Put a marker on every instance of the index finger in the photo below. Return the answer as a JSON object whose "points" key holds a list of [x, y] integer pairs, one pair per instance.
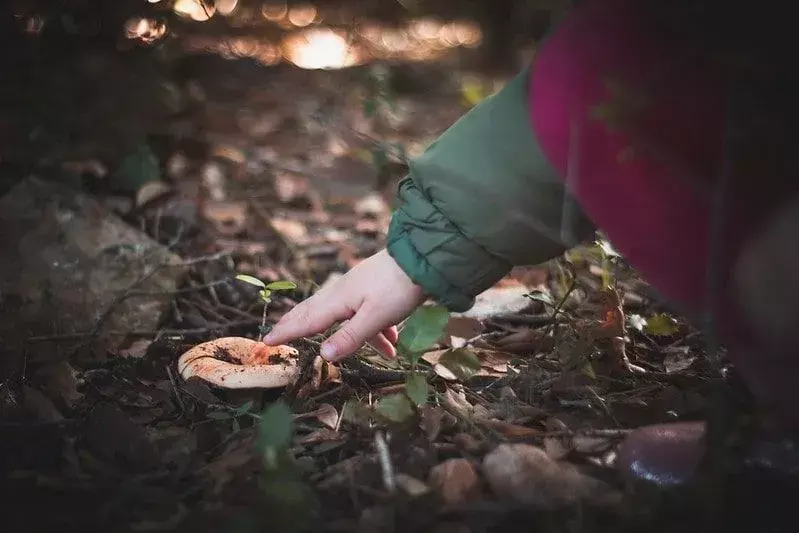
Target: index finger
{"points": [[312, 316]]}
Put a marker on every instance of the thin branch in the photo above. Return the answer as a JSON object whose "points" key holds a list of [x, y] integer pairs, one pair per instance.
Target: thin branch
{"points": [[147, 333], [386, 467]]}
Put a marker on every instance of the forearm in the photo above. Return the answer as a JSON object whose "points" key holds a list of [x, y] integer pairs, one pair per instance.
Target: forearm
{"points": [[480, 200]]}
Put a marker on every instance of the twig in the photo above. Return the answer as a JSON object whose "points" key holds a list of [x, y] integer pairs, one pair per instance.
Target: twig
{"points": [[188, 290], [146, 333], [176, 388], [386, 468]]}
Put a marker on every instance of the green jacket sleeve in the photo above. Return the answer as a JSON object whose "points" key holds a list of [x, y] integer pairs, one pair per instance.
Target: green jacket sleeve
{"points": [[480, 200]]}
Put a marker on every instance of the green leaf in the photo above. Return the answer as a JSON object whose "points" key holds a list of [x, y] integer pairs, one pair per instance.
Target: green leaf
{"points": [[661, 325], [251, 280], [588, 369], [275, 429], [282, 286], [462, 363], [243, 408], [416, 388], [541, 296], [137, 168], [265, 294], [424, 327], [395, 407], [219, 415], [369, 107]]}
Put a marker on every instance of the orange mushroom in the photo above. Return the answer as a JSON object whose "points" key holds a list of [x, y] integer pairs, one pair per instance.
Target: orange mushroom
{"points": [[241, 363]]}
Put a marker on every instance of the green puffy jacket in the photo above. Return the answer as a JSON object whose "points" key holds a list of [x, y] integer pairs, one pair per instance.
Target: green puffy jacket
{"points": [[481, 200]]}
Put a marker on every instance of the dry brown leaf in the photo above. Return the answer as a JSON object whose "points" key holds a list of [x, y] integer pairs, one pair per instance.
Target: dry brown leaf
{"points": [[150, 191], [324, 372], [411, 486], [457, 403], [431, 421], [136, 349], [507, 429], [292, 231], [523, 342], [321, 435], [526, 474], [290, 186], [461, 329], [590, 445], [229, 218], [499, 301], [493, 364], [455, 480]]}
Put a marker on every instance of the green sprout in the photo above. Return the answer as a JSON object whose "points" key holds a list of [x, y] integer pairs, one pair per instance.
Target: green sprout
{"points": [[265, 293]]}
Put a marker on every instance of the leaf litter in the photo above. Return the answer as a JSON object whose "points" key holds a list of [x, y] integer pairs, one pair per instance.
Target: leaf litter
{"points": [[513, 407]]}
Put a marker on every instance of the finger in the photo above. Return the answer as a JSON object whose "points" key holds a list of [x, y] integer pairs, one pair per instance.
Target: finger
{"points": [[380, 343], [312, 316], [391, 334], [352, 335]]}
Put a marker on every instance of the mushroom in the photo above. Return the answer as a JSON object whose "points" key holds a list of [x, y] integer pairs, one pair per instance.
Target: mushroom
{"points": [[241, 363]]}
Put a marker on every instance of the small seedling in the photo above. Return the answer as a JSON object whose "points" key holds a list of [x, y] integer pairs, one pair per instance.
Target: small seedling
{"points": [[233, 415], [265, 293]]}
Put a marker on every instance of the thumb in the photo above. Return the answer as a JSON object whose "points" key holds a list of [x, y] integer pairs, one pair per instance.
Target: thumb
{"points": [[353, 334]]}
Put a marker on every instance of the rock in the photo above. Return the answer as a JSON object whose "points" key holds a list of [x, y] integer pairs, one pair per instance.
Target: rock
{"points": [[455, 480], [527, 475], [66, 258]]}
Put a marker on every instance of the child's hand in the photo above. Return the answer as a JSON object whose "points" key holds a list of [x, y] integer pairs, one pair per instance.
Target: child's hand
{"points": [[373, 297]]}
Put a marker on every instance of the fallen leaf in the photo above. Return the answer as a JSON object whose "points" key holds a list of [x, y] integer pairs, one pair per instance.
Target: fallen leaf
{"points": [[499, 301], [151, 191], [293, 231], [59, 381], [678, 359], [433, 420], [411, 486], [229, 153], [460, 330], [39, 406], [457, 403], [214, 181], [507, 429], [372, 205], [324, 372], [527, 475], [455, 480], [321, 435], [327, 415], [491, 363], [524, 341], [290, 186], [136, 349], [229, 218], [461, 362], [590, 445]]}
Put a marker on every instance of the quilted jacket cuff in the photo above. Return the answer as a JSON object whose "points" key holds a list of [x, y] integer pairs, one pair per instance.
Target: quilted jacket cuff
{"points": [[449, 267]]}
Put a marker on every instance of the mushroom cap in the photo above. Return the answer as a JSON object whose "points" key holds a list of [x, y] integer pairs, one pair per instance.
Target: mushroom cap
{"points": [[257, 365]]}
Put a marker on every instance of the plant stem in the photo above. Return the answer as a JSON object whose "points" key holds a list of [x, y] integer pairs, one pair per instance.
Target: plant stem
{"points": [[263, 321]]}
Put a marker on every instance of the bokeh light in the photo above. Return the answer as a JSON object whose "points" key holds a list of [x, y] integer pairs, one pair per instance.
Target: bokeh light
{"points": [[197, 10]]}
